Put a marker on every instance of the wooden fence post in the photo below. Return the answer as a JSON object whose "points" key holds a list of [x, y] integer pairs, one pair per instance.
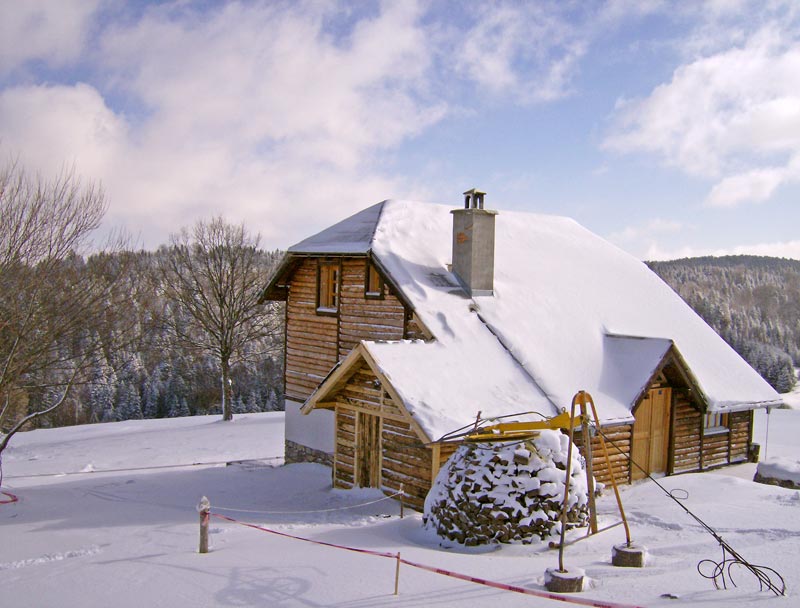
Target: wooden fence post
{"points": [[397, 576], [204, 508]]}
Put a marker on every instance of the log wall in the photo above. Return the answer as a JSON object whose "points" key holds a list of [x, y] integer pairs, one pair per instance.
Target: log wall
{"points": [[405, 460], [366, 319], [314, 342], [687, 428], [694, 450], [618, 443], [311, 339], [741, 427]]}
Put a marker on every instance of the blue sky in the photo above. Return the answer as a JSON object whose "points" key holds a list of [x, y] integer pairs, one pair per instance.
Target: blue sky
{"points": [[670, 128]]}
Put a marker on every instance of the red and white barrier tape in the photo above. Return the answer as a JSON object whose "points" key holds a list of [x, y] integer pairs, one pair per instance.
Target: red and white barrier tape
{"points": [[442, 571], [308, 540], [11, 498]]}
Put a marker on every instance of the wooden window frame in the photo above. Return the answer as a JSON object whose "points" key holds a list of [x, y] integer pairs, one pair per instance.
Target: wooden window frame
{"points": [[329, 289], [370, 294], [716, 423]]}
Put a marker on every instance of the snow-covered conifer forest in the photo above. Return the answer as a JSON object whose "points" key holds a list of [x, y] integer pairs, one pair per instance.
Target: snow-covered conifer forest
{"points": [[752, 302], [148, 374]]}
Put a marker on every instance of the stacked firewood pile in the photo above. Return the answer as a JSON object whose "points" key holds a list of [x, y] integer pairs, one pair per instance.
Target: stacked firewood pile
{"points": [[507, 492]]}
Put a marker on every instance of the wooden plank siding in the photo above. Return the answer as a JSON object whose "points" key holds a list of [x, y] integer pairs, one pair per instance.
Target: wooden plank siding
{"points": [[687, 429], [694, 450], [405, 460], [311, 339], [366, 319], [690, 448], [315, 342], [618, 443]]}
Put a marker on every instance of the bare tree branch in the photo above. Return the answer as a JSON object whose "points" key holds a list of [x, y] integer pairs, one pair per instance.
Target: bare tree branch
{"points": [[50, 298], [212, 274]]}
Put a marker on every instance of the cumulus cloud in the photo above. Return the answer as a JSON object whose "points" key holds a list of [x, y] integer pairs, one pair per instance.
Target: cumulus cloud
{"points": [[505, 36], [277, 113], [257, 111], [53, 32], [51, 127], [732, 116]]}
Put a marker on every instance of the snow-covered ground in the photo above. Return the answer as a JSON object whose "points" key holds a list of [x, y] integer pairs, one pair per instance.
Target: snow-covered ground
{"points": [[129, 537]]}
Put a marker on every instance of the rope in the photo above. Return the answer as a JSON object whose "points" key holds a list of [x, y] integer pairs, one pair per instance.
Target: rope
{"points": [[11, 498], [720, 572], [150, 468], [435, 570], [363, 504]]}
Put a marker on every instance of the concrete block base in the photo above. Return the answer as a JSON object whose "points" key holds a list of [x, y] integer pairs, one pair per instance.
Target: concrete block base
{"points": [[628, 556], [569, 581]]}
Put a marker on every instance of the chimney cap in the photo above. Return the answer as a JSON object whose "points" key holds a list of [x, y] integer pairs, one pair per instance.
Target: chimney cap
{"points": [[473, 199]]}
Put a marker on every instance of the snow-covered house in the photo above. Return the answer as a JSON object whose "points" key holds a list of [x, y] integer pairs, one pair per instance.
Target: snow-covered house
{"points": [[407, 320]]}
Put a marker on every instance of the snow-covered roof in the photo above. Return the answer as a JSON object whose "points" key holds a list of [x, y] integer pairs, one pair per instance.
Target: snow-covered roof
{"points": [[351, 235], [569, 312]]}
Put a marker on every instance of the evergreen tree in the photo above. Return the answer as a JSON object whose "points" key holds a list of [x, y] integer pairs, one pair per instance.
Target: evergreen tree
{"points": [[129, 402], [102, 392]]}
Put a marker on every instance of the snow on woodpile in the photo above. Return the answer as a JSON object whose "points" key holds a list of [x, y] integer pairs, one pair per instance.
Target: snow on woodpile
{"points": [[507, 492], [784, 472]]}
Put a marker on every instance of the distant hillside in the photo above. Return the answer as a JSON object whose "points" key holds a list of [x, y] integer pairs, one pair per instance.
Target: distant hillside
{"points": [[752, 302]]}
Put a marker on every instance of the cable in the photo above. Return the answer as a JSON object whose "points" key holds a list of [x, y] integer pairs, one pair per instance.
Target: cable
{"points": [[363, 504], [720, 573]]}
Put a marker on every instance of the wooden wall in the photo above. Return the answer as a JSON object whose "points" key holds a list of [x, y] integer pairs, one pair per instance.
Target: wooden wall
{"points": [[690, 448], [618, 442], [694, 450], [741, 424], [687, 427], [366, 319], [314, 343], [403, 458], [311, 339]]}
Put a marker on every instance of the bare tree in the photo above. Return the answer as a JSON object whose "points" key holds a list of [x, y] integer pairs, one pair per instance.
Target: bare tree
{"points": [[214, 274], [49, 302]]}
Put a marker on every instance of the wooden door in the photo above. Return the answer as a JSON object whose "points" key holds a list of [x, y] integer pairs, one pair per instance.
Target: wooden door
{"points": [[650, 448], [368, 451]]}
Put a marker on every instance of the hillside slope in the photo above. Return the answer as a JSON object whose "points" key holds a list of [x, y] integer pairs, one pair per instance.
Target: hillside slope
{"points": [[752, 302]]}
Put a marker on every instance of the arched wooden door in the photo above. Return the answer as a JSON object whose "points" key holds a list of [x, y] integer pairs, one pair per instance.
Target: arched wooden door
{"points": [[650, 446]]}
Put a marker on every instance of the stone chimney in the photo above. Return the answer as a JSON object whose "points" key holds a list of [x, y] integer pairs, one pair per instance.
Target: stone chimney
{"points": [[473, 245]]}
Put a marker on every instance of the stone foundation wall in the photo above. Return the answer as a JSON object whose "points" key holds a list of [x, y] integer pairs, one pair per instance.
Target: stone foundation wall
{"points": [[301, 453]]}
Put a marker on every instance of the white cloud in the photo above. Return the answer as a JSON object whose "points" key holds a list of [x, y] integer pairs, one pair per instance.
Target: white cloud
{"points": [[51, 127], [279, 113], [754, 186], [646, 230], [527, 50], [732, 116], [54, 32], [249, 110]]}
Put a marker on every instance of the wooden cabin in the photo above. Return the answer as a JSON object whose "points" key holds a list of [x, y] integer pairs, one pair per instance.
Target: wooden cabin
{"points": [[407, 320]]}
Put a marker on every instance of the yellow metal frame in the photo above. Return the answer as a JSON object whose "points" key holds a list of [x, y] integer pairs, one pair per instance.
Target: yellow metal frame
{"points": [[568, 421], [510, 431]]}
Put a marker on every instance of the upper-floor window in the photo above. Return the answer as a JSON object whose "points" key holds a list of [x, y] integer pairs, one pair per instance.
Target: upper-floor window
{"points": [[328, 288], [715, 422], [373, 286]]}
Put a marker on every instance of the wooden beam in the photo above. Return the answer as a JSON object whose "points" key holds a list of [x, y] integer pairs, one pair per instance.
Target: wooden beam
{"points": [[435, 458]]}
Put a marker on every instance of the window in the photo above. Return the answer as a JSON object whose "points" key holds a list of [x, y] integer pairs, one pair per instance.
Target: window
{"points": [[715, 422], [328, 288], [373, 286]]}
